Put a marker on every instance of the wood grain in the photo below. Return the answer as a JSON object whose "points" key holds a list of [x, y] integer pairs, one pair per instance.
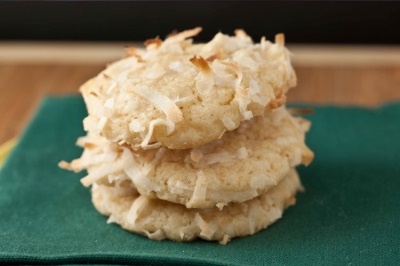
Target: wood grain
{"points": [[22, 86]]}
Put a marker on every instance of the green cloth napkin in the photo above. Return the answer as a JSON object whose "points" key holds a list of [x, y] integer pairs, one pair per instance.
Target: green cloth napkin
{"points": [[349, 214]]}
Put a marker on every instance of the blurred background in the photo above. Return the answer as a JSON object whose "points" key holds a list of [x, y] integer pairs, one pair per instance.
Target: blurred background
{"points": [[345, 53]]}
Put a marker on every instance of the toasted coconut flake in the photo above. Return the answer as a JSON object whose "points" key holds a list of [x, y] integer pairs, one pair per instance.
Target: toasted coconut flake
{"points": [[184, 35], [89, 146], [65, 165], [240, 33], [157, 41], [106, 76], [225, 239], [94, 94], [280, 39], [301, 111], [162, 102], [200, 64], [130, 51], [291, 200], [217, 55], [172, 33], [279, 101]]}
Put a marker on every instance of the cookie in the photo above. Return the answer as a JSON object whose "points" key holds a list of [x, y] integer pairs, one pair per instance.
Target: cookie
{"points": [[158, 219], [181, 95], [242, 165]]}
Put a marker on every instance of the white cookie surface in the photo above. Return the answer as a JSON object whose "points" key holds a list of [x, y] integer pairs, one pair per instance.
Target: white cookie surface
{"points": [[159, 219], [242, 165], [181, 95]]}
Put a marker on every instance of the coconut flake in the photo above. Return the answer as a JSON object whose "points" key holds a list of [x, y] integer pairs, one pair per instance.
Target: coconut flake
{"points": [[200, 189], [200, 64], [242, 153], [136, 126], [203, 226], [177, 66], [243, 59], [196, 155], [159, 154], [159, 121], [128, 64], [280, 39], [136, 207], [183, 35], [162, 102], [109, 103], [226, 74], [225, 157], [221, 205], [112, 86], [225, 239], [102, 122], [111, 219], [89, 124], [100, 172], [155, 41], [228, 123], [157, 71], [254, 90], [157, 235]]}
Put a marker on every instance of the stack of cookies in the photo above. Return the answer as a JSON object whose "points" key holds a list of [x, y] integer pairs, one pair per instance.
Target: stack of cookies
{"points": [[189, 141]]}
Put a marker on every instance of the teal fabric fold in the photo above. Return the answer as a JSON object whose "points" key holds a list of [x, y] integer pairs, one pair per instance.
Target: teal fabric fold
{"points": [[349, 213]]}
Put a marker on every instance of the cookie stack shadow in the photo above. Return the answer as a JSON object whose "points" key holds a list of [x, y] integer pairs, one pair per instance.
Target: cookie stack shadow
{"points": [[191, 141]]}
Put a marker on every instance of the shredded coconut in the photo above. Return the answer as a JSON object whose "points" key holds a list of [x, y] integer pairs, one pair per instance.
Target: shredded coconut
{"points": [[177, 66], [100, 172], [157, 235], [228, 123], [196, 155], [170, 128], [109, 103], [162, 102], [156, 72], [135, 126], [225, 240], [200, 189], [183, 35]]}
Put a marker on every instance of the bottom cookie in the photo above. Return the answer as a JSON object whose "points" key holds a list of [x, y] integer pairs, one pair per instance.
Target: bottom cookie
{"points": [[158, 219]]}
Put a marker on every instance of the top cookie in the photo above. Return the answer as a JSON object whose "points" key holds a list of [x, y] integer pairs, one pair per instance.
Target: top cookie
{"points": [[181, 95]]}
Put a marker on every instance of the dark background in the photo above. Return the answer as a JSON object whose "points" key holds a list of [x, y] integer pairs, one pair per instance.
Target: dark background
{"points": [[302, 22]]}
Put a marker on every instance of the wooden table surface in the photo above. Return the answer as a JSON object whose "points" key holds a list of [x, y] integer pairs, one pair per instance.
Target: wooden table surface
{"points": [[335, 75]]}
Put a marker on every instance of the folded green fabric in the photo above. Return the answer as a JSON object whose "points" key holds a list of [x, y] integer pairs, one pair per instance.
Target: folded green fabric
{"points": [[349, 214]]}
